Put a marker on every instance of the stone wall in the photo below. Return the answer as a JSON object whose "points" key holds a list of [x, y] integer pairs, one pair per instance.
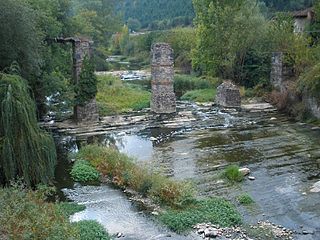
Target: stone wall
{"points": [[162, 71], [228, 95]]}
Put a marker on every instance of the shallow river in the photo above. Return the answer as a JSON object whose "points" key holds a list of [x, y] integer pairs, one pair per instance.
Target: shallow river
{"points": [[283, 156]]}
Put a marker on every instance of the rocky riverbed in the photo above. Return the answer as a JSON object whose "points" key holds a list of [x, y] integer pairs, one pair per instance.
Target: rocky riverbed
{"points": [[201, 140]]}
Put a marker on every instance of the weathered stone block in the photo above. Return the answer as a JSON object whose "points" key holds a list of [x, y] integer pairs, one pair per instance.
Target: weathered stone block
{"points": [[162, 71], [87, 112], [228, 95]]}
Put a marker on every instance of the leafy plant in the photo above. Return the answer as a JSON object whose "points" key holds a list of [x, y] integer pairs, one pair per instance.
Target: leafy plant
{"points": [[91, 230], [214, 210], [125, 173], [245, 199], [25, 215], [233, 174], [70, 208], [83, 171]]}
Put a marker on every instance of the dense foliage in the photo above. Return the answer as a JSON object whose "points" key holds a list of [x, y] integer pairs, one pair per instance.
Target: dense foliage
{"points": [[25, 150], [154, 14], [214, 210], [83, 171], [86, 89]]}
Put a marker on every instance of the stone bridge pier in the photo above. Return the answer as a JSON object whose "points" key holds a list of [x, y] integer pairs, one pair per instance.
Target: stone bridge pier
{"points": [[162, 71], [81, 48]]}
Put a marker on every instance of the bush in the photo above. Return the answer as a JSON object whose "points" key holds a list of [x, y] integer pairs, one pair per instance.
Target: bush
{"points": [[245, 199], [70, 208], [214, 210], [233, 174], [203, 95], [25, 215], [125, 173], [83, 171], [91, 230], [184, 83]]}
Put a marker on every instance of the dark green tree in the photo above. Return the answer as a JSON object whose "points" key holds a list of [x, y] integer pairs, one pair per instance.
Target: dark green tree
{"points": [[86, 89], [26, 151]]}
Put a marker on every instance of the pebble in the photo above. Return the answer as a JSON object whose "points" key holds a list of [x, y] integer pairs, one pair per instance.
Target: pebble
{"points": [[251, 178], [119, 235]]}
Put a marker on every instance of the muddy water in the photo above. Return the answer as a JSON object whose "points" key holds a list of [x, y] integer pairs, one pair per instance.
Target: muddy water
{"points": [[283, 156]]}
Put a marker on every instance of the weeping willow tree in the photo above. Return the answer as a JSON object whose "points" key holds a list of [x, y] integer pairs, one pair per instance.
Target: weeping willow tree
{"points": [[26, 151]]}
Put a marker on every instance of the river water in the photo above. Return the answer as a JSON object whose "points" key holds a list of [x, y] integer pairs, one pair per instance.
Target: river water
{"points": [[284, 157]]}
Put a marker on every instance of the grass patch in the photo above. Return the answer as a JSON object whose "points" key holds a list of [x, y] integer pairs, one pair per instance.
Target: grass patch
{"points": [[233, 174], [184, 83], [91, 230], [202, 95], [214, 210], [125, 173], [70, 208], [83, 171], [245, 199], [114, 97]]}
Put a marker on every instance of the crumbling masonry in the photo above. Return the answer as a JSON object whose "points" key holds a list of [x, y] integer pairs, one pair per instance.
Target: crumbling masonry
{"points": [[162, 71]]}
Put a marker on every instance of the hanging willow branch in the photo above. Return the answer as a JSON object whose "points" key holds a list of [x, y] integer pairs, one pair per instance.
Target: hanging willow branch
{"points": [[25, 150]]}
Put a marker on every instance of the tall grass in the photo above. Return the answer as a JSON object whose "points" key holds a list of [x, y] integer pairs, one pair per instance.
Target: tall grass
{"points": [[114, 97], [124, 172]]}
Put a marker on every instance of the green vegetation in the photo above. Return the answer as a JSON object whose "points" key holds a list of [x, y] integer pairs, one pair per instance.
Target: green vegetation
{"points": [[155, 15], [233, 174], [203, 95], [91, 230], [214, 210], [245, 199], [86, 89], [125, 173], [115, 97], [70, 208], [25, 150], [83, 171], [26, 215]]}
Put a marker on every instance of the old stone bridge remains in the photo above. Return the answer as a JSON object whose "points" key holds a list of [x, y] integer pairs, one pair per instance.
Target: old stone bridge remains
{"points": [[81, 47]]}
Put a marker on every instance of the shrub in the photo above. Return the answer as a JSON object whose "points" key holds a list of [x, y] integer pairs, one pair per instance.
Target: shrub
{"points": [[214, 210], [25, 215], [245, 199], [184, 83], [83, 171], [125, 173], [70, 208], [233, 174], [203, 95], [91, 230]]}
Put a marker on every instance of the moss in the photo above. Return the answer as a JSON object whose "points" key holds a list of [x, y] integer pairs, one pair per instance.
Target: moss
{"points": [[245, 199]]}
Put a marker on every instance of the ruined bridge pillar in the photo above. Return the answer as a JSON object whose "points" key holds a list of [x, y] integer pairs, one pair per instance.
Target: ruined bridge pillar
{"points": [[89, 111], [162, 71]]}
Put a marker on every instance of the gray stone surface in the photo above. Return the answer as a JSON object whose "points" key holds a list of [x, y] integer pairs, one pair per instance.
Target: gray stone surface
{"points": [[162, 71], [228, 95]]}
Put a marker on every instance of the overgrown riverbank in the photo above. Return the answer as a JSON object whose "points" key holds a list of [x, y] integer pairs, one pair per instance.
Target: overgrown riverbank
{"points": [[179, 208], [26, 214]]}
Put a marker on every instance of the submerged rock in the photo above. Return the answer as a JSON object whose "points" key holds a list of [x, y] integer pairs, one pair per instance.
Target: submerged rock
{"points": [[244, 171], [315, 188]]}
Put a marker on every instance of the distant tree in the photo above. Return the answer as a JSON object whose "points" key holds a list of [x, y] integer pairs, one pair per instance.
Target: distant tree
{"points": [[226, 30], [134, 24]]}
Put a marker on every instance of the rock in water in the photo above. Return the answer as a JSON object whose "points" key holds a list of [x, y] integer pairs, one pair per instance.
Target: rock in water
{"points": [[244, 171], [315, 188]]}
